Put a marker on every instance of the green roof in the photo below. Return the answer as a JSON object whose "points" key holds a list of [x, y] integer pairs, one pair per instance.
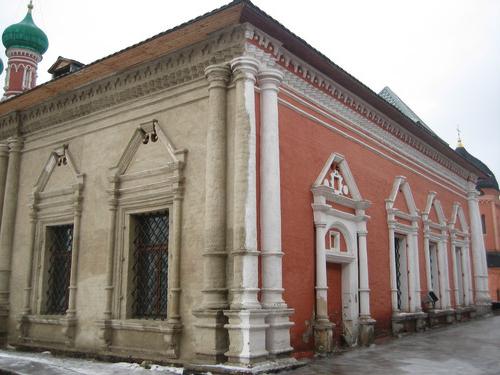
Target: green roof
{"points": [[26, 34]]}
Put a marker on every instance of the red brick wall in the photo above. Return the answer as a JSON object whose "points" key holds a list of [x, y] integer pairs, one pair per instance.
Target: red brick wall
{"points": [[494, 283], [305, 146]]}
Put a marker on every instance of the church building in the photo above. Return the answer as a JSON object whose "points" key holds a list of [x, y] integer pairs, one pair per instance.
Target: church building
{"points": [[223, 194]]}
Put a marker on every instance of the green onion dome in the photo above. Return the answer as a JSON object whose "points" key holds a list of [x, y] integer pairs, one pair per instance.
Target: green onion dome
{"points": [[26, 34]]}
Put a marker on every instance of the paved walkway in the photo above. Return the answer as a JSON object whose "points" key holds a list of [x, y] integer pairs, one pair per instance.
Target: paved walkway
{"points": [[470, 348]]}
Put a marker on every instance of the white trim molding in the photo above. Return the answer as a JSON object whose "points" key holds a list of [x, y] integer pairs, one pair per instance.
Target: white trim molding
{"points": [[159, 187], [334, 188], [460, 245], [436, 252], [51, 206], [407, 300]]}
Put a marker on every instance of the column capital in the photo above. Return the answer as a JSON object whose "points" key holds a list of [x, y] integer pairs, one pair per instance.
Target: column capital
{"points": [[218, 75], [362, 233], [15, 144], [472, 195], [270, 79], [245, 67]]}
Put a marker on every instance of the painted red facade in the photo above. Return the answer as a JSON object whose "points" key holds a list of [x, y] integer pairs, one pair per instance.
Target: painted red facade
{"points": [[307, 138], [489, 205]]}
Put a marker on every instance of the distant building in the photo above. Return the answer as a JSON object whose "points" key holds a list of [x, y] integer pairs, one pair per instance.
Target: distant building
{"points": [[222, 193]]}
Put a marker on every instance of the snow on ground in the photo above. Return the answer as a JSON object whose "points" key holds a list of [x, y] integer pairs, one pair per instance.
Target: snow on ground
{"points": [[24, 363]]}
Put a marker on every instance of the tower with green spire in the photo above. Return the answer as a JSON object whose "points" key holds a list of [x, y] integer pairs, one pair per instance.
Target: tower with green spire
{"points": [[25, 45]]}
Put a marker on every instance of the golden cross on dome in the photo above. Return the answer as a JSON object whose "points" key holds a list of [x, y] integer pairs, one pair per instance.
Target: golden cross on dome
{"points": [[459, 143], [30, 5]]}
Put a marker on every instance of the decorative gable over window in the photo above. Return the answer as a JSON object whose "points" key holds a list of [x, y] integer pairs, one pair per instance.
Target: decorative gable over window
{"points": [[336, 183]]}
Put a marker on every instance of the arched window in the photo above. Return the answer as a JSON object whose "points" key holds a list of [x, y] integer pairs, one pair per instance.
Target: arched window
{"points": [[27, 78]]}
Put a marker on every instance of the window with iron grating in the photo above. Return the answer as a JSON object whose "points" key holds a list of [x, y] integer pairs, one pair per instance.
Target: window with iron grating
{"points": [[397, 249], [150, 267], [59, 246]]}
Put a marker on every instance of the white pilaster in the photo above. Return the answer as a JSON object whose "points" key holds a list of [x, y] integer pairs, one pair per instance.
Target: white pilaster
{"points": [[7, 230], [278, 333], [246, 320], [321, 280], [270, 186], [364, 288], [245, 254], [478, 250], [416, 269], [392, 259]]}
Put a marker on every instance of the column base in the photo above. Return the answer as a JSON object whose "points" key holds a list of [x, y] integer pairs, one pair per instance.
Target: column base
{"points": [[408, 322], [366, 331], [439, 317], [211, 336], [247, 336], [4, 317], [483, 309], [278, 332], [323, 336], [463, 313]]}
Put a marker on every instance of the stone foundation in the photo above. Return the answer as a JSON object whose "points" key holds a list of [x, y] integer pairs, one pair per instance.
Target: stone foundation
{"points": [[408, 323], [366, 332], [323, 337]]}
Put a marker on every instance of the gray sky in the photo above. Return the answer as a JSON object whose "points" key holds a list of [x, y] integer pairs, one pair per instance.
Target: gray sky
{"points": [[441, 57]]}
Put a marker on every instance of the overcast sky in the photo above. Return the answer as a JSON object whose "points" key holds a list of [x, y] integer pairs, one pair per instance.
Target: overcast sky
{"points": [[441, 57]]}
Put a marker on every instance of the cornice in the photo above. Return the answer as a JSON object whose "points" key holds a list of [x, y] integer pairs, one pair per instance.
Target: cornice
{"points": [[170, 70], [321, 90]]}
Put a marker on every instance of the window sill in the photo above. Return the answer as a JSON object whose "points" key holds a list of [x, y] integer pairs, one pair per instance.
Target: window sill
{"points": [[399, 316], [62, 320]]}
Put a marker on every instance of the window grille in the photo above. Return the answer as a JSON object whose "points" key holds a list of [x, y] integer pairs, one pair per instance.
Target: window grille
{"points": [[397, 245], [60, 246], [150, 268], [431, 265]]}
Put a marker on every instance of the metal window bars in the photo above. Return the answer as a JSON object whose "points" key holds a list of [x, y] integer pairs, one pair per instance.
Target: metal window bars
{"points": [[150, 267], [60, 246], [397, 250]]}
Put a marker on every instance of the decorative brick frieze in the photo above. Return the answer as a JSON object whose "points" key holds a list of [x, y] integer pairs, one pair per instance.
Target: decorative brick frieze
{"points": [[174, 69], [315, 86]]}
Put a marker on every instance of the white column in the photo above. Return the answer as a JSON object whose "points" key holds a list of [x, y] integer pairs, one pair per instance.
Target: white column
{"points": [[4, 159], [270, 186], [416, 267], [443, 274], [212, 340], [455, 274], [29, 274], [468, 278], [428, 270], [71, 312], [246, 320], [364, 288], [278, 333], [321, 280], [214, 293], [245, 254], [109, 287], [478, 250], [392, 260], [7, 230]]}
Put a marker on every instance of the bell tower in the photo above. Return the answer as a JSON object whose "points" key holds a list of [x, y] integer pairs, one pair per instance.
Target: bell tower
{"points": [[25, 44]]}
